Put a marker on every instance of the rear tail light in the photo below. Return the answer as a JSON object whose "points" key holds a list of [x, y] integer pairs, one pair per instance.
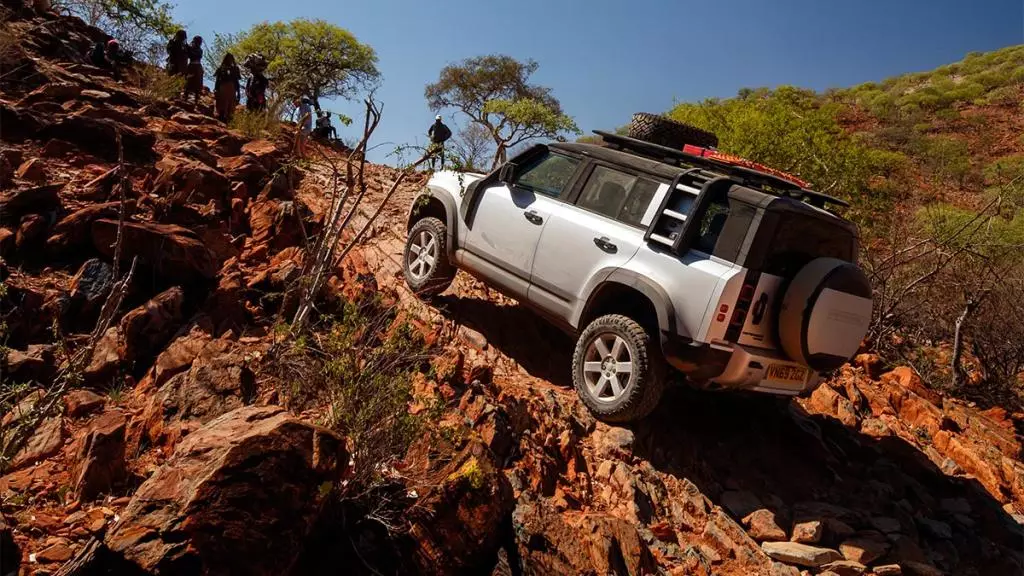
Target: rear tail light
{"points": [[739, 315]]}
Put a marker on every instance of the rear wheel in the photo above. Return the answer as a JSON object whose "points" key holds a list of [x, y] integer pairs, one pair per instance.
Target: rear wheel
{"points": [[618, 371], [425, 263], [666, 132]]}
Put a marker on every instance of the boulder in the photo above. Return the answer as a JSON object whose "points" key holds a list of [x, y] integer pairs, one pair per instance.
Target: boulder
{"points": [[845, 568], [57, 148], [800, 554], [552, 542], [807, 532], [456, 526], [52, 92], [825, 400], [246, 169], [147, 329], [78, 403], [90, 286], [33, 170], [19, 124], [35, 364], [213, 385], [40, 200], [100, 457], [100, 188], [615, 442], [905, 377], [888, 570], [106, 360], [72, 233], [46, 441], [864, 550], [266, 152], [7, 239], [100, 136], [171, 250], [762, 526], [186, 181], [237, 497], [276, 225], [31, 233]]}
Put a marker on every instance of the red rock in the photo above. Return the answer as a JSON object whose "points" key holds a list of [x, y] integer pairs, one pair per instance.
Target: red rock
{"points": [[265, 151], [275, 224], [7, 238], [906, 378], [825, 400], [72, 233], [22, 409], [100, 136], [46, 441], [31, 233], [146, 329], [100, 460], [34, 365], [864, 550], [78, 403], [807, 532], [57, 149], [106, 359], [59, 552], [32, 170], [245, 169], [238, 496], [870, 363], [762, 526], [185, 181], [171, 250], [41, 200], [101, 188], [800, 554]]}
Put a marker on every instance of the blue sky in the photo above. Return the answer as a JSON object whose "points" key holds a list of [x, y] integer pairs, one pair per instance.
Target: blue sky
{"points": [[606, 59]]}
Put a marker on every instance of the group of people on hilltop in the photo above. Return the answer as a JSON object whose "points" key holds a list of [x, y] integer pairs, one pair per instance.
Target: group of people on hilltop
{"points": [[186, 59]]}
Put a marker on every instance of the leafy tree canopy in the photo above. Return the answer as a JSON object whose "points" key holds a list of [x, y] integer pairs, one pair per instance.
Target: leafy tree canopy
{"points": [[305, 57], [495, 92], [139, 25]]}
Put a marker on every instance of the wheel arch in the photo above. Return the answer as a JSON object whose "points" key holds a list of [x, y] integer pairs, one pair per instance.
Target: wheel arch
{"points": [[432, 202], [622, 291]]}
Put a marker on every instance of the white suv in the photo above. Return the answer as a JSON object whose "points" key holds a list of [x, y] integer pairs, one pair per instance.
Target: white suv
{"points": [[654, 257]]}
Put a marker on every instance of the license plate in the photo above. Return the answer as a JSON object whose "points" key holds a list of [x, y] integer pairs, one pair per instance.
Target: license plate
{"points": [[788, 374]]}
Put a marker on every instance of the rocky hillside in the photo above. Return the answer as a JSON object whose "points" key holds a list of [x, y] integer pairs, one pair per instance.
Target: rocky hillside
{"points": [[179, 431]]}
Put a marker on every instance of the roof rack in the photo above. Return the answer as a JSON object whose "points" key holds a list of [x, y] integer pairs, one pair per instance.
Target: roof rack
{"points": [[778, 186]]}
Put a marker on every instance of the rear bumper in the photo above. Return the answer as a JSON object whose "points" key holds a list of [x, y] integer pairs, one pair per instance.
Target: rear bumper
{"points": [[740, 368]]}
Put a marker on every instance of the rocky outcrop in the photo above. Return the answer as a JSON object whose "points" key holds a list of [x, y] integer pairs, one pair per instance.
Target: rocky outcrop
{"points": [[100, 456], [170, 250], [238, 496]]}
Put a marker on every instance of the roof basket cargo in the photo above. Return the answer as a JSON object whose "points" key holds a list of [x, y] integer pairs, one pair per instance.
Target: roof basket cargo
{"points": [[768, 182]]}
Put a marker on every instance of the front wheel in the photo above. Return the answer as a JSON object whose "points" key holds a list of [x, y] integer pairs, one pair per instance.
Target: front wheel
{"points": [[425, 263], [618, 371]]}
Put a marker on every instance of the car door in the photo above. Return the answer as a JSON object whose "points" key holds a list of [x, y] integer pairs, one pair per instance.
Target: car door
{"points": [[600, 233], [508, 219]]}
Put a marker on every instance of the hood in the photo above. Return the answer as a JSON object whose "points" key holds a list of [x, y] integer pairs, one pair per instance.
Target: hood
{"points": [[450, 180]]}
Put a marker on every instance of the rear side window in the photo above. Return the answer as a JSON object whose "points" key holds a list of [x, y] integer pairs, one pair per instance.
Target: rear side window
{"points": [[549, 175], [617, 195]]}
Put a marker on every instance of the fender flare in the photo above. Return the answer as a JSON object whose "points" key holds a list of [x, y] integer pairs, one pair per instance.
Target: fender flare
{"points": [[450, 213], [656, 294]]}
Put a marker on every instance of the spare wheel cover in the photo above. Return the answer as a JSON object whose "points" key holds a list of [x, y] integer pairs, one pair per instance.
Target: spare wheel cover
{"points": [[825, 314]]}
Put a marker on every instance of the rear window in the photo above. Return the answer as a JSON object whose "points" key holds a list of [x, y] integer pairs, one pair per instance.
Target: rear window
{"points": [[799, 239]]}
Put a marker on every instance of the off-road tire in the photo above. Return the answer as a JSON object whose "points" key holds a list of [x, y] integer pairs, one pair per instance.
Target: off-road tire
{"points": [[644, 391], [666, 132], [441, 275]]}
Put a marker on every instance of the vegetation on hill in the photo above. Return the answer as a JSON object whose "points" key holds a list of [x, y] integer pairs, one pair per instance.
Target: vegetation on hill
{"points": [[933, 165]]}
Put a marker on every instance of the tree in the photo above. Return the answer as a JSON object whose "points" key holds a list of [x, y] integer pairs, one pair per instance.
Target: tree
{"points": [[494, 91], [304, 57], [142, 26], [472, 147]]}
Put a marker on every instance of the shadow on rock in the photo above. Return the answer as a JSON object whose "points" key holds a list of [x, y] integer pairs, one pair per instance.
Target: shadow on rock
{"points": [[746, 453], [541, 349]]}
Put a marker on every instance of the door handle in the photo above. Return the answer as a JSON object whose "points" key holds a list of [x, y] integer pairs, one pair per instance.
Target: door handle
{"points": [[605, 245], [533, 217]]}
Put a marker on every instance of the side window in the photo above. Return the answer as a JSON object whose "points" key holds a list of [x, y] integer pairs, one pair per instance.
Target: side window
{"points": [[711, 226], [548, 175], [617, 195]]}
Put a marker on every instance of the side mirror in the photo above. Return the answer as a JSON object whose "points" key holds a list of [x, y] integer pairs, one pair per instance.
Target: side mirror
{"points": [[507, 173]]}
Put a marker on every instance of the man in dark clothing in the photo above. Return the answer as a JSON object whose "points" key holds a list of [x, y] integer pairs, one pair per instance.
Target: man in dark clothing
{"points": [[438, 134], [256, 84], [324, 129], [177, 54], [109, 56]]}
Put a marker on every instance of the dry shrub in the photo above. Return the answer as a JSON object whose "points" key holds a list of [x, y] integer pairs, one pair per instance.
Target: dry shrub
{"points": [[260, 124], [158, 86]]}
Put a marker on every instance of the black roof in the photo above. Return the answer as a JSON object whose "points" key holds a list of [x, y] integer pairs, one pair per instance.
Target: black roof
{"points": [[621, 158]]}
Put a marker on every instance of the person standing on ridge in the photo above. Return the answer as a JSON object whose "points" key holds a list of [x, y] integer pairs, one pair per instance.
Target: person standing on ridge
{"points": [[177, 54], [438, 134], [305, 112], [227, 87], [256, 85], [194, 78]]}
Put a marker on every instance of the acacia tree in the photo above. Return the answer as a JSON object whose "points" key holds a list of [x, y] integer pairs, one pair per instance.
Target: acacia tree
{"points": [[495, 92], [472, 147], [304, 57], [139, 25]]}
